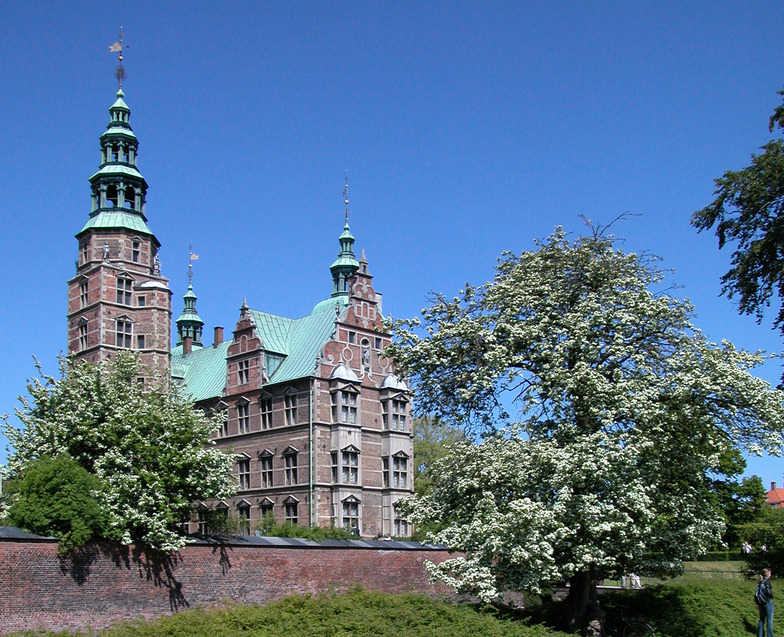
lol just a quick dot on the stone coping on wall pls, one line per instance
(14, 533)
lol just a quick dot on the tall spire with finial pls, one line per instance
(189, 323)
(346, 264)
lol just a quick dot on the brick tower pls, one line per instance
(118, 298)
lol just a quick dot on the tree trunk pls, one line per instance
(582, 602)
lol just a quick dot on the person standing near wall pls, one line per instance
(764, 598)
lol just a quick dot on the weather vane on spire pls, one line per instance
(117, 47)
(345, 196)
(191, 258)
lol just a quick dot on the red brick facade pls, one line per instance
(107, 584)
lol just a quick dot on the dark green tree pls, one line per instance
(749, 212)
(58, 497)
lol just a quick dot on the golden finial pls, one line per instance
(117, 47)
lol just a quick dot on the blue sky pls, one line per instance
(467, 129)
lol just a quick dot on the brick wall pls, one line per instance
(104, 584)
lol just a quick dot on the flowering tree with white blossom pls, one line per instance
(625, 412)
(147, 444)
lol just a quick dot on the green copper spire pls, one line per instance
(189, 323)
(119, 191)
(346, 264)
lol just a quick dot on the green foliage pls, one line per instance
(353, 613)
(432, 438)
(749, 210)
(267, 526)
(56, 496)
(627, 417)
(693, 609)
(149, 446)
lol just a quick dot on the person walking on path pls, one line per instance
(764, 598)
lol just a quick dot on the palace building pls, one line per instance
(313, 409)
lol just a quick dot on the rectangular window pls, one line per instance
(202, 523)
(84, 247)
(265, 508)
(224, 427)
(141, 301)
(378, 342)
(243, 469)
(124, 333)
(352, 337)
(83, 336)
(290, 409)
(243, 513)
(394, 414)
(400, 527)
(400, 473)
(348, 411)
(243, 417)
(266, 471)
(83, 294)
(243, 372)
(135, 251)
(290, 463)
(334, 456)
(350, 461)
(124, 288)
(351, 515)
(385, 471)
(140, 341)
(290, 512)
(265, 407)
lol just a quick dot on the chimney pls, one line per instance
(217, 339)
(187, 345)
(772, 486)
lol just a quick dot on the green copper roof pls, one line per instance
(118, 219)
(117, 169)
(119, 102)
(203, 371)
(118, 130)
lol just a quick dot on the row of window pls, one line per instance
(344, 408)
(123, 335)
(136, 253)
(345, 469)
(350, 519)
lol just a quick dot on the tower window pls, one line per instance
(83, 294)
(394, 414)
(135, 251)
(82, 336)
(140, 341)
(243, 372)
(124, 328)
(124, 288)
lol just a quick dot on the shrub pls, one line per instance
(58, 497)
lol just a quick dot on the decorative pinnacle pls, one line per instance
(345, 196)
(191, 258)
(117, 47)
